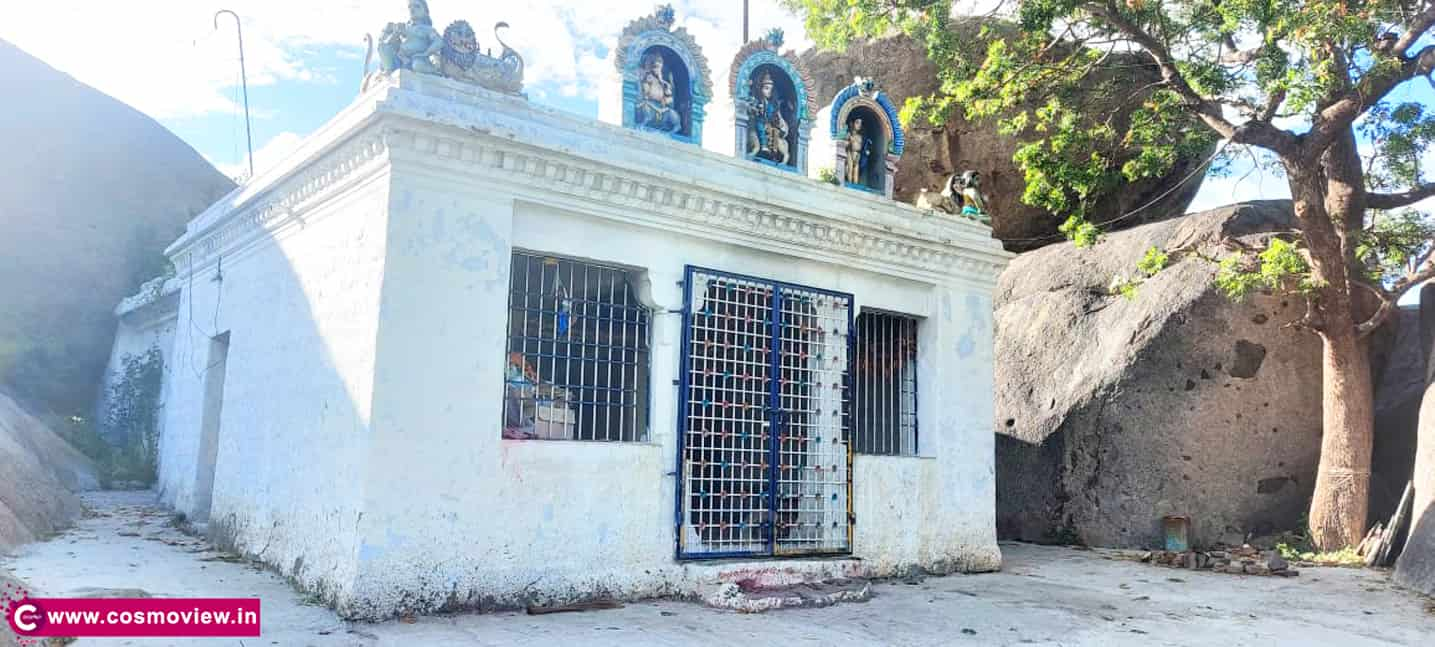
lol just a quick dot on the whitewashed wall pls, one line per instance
(457, 515)
(364, 288)
(294, 433)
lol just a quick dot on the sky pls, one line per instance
(305, 59)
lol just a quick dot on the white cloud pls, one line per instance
(165, 57)
(270, 153)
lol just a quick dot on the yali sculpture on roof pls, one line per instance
(774, 104)
(416, 45)
(665, 77)
(867, 137)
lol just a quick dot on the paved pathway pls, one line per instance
(1044, 596)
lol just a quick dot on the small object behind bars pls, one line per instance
(1178, 532)
(595, 605)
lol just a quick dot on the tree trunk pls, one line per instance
(1339, 506)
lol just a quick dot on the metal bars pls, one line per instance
(763, 458)
(578, 356)
(886, 379)
(727, 439)
(814, 468)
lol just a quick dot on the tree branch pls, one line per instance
(1389, 299)
(1397, 200)
(1417, 27)
(1338, 116)
(1255, 132)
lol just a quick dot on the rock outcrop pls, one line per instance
(93, 191)
(1399, 367)
(40, 472)
(1416, 566)
(1114, 412)
(902, 70)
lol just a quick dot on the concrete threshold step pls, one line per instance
(748, 597)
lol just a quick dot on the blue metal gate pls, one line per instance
(764, 462)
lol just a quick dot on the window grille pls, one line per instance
(886, 413)
(578, 356)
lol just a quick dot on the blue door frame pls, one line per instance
(775, 420)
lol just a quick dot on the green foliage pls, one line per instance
(1255, 59)
(1123, 287)
(1306, 553)
(1392, 241)
(1079, 231)
(1280, 266)
(133, 415)
(827, 174)
(1154, 261)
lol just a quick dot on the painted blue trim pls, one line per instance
(769, 57)
(784, 284)
(768, 162)
(776, 417)
(899, 139)
(697, 94)
(682, 409)
(863, 187)
(776, 422)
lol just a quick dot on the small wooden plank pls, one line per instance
(1396, 526)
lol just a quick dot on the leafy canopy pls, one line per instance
(1288, 76)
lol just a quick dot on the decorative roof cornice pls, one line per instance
(538, 154)
(229, 224)
(152, 292)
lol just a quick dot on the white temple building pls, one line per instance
(464, 351)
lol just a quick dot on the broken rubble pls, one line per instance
(1244, 560)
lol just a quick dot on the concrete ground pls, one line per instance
(1043, 596)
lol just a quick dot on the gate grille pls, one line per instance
(764, 462)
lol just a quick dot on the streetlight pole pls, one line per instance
(243, 83)
(744, 22)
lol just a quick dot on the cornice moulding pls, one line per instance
(533, 152)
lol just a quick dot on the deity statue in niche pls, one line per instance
(859, 151)
(655, 109)
(768, 129)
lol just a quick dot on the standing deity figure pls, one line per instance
(655, 103)
(859, 148)
(767, 130)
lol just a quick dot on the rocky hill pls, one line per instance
(902, 70)
(1112, 412)
(42, 473)
(93, 190)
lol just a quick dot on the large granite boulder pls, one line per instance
(1399, 366)
(901, 68)
(1114, 412)
(40, 472)
(1416, 566)
(93, 192)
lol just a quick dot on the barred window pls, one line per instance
(577, 360)
(885, 417)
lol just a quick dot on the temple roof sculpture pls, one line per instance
(773, 102)
(867, 137)
(666, 81)
(416, 45)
